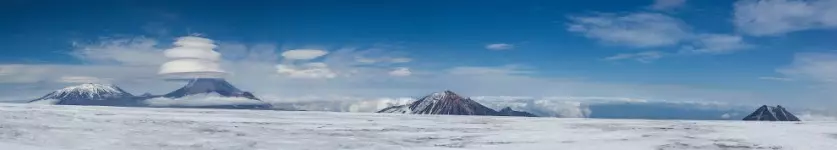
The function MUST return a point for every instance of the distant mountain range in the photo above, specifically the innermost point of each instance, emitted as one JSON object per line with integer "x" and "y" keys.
{"x": 111, "y": 95}
{"x": 450, "y": 103}
{"x": 218, "y": 93}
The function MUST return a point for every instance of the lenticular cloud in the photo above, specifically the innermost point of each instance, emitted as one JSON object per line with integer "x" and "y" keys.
{"x": 192, "y": 57}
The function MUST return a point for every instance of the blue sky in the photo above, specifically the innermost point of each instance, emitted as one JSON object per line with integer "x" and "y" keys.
{"x": 744, "y": 51}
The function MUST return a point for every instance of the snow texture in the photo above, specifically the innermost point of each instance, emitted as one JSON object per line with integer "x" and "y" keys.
{"x": 53, "y": 127}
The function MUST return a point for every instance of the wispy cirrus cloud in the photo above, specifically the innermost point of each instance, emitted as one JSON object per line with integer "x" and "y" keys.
{"x": 813, "y": 66}
{"x": 499, "y": 46}
{"x": 639, "y": 30}
{"x": 652, "y": 30}
{"x": 667, "y": 4}
{"x": 777, "y": 17}
{"x": 645, "y": 57}
{"x": 776, "y": 78}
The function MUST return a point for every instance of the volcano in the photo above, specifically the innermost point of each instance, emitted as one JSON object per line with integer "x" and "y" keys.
{"x": 448, "y": 103}
{"x": 209, "y": 86}
{"x": 208, "y": 93}
{"x": 89, "y": 94}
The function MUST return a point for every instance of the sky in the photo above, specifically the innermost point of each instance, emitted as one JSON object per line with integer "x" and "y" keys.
{"x": 750, "y": 52}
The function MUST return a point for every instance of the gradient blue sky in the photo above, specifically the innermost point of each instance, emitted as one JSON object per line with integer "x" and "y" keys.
{"x": 747, "y": 51}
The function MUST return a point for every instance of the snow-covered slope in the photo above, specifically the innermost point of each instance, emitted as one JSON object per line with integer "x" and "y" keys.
{"x": 89, "y": 94}
{"x": 209, "y": 86}
{"x": 443, "y": 103}
{"x": 57, "y": 127}
{"x": 207, "y": 93}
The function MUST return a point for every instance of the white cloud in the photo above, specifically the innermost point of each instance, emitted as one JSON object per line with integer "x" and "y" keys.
{"x": 813, "y": 66}
{"x": 400, "y": 60}
{"x": 131, "y": 51}
{"x": 809, "y": 116}
{"x": 401, "y": 71}
{"x": 640, "y": 30}
{"x": 192, "y": 57}
{"x": 303, "y": 54}
{"x": 645, "y": 57}
{"x": 81, "y": 79}
{"x": 309, "y": 70}
{"x": 482, "y": 70}
{"x": 777, "y": 17}
{"x": 667, "y": 4}
{"x": 20, "y": 73}
{"x": 499, "y": 46}
{"x": 716, "y": 44}
{"x": 201, "y": 100}
{"x": 776, "y": 78}
{"x": 382, "y": 60}
{"x": 653, "y": 30}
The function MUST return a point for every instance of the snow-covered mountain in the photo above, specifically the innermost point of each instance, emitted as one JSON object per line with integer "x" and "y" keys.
{"x": 770, "y": 113}
{"x": 208, "y": 93}
{"x": 446, "y": 103}
{"x": 89, "y": 94}
{"x": 209, "y": 86}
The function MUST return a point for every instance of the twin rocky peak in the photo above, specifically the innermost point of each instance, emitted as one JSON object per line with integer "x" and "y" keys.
{"x": 770, "y": 113}
{"x": 450, "y": 103}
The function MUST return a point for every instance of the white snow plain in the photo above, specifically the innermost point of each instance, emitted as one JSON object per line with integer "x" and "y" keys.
{"x": 53, "y": 127}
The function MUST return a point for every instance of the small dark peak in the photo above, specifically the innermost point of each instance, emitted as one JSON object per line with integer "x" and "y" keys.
{"x": 506, "y": 109}
{"x": 449, "y": 92}
{"x": 249, "y": 95}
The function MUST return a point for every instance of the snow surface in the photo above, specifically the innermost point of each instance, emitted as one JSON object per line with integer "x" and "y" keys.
{"x": 55, "y": 127}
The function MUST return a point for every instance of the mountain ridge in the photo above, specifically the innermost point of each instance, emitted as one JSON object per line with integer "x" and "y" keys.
{"x": 89, "y": 94}
{"x": 449, "y": 103}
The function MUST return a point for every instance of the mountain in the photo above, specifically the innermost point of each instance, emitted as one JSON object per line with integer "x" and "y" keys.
{"x": 209, "y": 86}
{"x": 509, "y": 112}
{"x": 208, "y": 93}
{"x": 89, "y": 94}
{"x": 448, "y": 103}
{"x": 770, "y": 113}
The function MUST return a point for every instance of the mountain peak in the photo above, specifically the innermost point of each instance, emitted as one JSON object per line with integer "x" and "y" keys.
{"x": 88, "y": 94}
{"x": 208, "y": 86}
{"x": 770, "y": 113}
{"x": 449, "y": 103}
{"x": 93, "y": 89}
{"x": 444, "y": 95}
